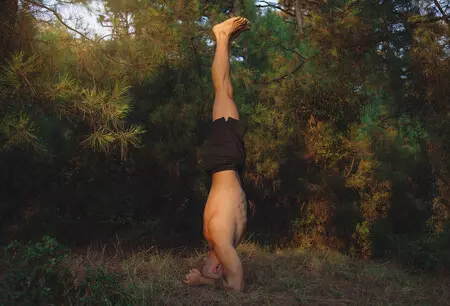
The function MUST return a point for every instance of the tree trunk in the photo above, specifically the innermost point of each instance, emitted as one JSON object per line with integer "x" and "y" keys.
{"x": 8, "y": 16}
{"x": 299, "y": 16}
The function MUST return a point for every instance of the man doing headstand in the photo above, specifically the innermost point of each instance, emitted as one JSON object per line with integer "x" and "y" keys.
{"x": 225, "y": 214}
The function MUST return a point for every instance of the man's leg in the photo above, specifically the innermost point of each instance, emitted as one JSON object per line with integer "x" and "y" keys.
{"x": 224, "y": 105}
{"x": 223, "y": 235}
{"x": 223, "y": 261}
{"x": 211, "y": 271}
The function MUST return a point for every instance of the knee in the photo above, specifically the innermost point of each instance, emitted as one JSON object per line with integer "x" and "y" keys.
{"x": 232, "y": 266}
{"x": 224, "y": 88}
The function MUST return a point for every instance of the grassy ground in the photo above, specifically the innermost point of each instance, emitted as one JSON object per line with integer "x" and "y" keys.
{"x": 287, "y": 277}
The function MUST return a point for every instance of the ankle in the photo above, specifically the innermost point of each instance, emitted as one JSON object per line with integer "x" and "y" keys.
{"x": 222, "y": 36}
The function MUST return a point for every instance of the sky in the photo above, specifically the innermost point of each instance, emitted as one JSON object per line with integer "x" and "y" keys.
{"x": 79, "y": 15}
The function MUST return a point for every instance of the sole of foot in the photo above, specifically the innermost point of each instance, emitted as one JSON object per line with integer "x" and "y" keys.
{"x": 231, "y": 27}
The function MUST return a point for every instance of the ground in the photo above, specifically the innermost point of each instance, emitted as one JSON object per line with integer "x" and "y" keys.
{"x": 283, "y": 277}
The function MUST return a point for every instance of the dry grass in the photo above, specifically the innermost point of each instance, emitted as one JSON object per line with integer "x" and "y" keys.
{"x": 287, "y": 277}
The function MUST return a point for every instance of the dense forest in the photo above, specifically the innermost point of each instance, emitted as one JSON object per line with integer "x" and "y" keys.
{"x": 347, "y": 103}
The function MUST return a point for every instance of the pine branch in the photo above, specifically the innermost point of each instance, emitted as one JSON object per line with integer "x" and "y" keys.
{"x": 20, "y": 132}
{"x": 305, "y": 60}
{"x": 350, "y": 6}
{"x": 277, "y": 7}
{"x": 429, "y": 20}
{"x": 58, "y": 16}
{"x": 292, "y": 50}
{"x": 438, "y": 5}
{"x": 60, "y": 19}
{"x": 285, "y": 75}
{"x": 395, "y": 116}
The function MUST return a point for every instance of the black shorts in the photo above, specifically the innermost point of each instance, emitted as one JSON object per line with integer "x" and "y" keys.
{"x": 224, "y": 148}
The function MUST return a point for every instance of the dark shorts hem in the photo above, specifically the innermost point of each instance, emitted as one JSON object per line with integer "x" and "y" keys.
{"x": 224, "y": 148}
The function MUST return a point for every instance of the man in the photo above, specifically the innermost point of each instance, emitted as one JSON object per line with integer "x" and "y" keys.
{"x": 225, "y": 214}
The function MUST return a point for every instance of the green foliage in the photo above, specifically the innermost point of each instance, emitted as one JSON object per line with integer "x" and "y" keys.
{"x": 347, "y": 113}
{"x": 100, "y": 286}
{"x": 15, "y": 75}
{"x": 428, "y": 252}
{"x": 38, "y": 274}
{"x": 362, "y": 236}
{"x": 34, "y": 273}
{"x": 104, "y": 111}
{"x": 20, "y": 132}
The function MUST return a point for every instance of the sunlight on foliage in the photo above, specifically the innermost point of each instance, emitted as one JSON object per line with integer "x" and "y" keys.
{"x": 346, "y": 104}
{"x": 20, "y": 133}
{"x": 16, "y": 73}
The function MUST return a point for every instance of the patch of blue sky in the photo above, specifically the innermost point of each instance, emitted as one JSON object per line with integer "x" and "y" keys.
{"x": 81, "y": 17}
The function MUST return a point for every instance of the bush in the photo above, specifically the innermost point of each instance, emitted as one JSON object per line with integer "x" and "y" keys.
{"x": 101, "y": 287}
{"x": 431, "y": 252}
{"x": 37, "y": 274}
{"x": 33, "y": 272}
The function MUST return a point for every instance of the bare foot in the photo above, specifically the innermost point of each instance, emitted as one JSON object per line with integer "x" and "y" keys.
{"x": 231, "y": 27}
{"x": 193, "y": 278}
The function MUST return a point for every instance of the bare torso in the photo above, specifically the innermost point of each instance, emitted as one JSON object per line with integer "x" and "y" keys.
{"x": 227, "y": 205}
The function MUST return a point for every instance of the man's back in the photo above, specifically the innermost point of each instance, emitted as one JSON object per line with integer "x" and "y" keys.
{"x": 226, "y": 204}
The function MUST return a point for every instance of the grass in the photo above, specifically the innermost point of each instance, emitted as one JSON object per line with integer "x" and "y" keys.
{"x": 287, "y": 277}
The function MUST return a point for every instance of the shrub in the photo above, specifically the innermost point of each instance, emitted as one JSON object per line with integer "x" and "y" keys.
{"x": 101, "y": 287}
{"x": 34, "y": 274}
{"x": 429, "y": 252}
{"x": 37, "y": 274}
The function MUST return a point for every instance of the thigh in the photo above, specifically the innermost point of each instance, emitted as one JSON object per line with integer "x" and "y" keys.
{"x": 239, "y": 235}
{"x": 221, "y": 229}
{"x": 225, "y": 107}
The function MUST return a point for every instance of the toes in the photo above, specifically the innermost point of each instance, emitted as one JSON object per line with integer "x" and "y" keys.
{"x": 186, "y": 280}
{"x": 243, "y": 21}
{"x": 240, "y": 26}
{"x": 240, "y": 22}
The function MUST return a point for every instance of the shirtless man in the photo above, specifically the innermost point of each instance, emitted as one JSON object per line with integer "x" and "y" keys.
{"x": 225, "y": 214}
